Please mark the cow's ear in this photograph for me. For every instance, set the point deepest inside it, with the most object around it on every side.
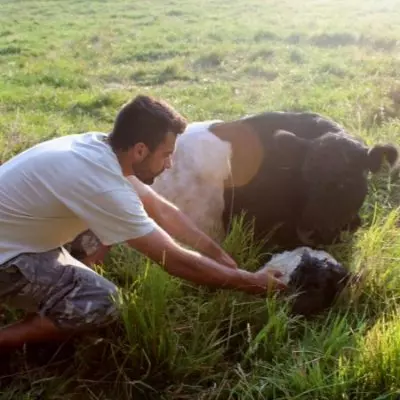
(379, 153)
(289, 142)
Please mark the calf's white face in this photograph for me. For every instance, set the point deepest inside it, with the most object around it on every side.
(314, 279)
(288, 261)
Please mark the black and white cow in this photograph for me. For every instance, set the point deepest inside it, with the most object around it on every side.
(301, 176)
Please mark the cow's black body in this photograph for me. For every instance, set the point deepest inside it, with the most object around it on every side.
(313, 178)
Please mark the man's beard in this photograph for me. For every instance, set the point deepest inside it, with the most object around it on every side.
(146, 180)
(144, 174)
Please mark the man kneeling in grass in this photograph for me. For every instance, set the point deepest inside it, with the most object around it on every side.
(58, 189)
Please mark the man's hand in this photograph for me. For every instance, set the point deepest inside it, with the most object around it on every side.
(271, 277)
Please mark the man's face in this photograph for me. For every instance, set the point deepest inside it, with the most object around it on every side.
(148, 165)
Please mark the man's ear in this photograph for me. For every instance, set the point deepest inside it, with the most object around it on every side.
(139, 152)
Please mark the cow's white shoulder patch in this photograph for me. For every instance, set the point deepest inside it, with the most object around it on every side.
(195, 183)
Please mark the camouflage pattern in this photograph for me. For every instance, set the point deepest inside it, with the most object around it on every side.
(58, 286)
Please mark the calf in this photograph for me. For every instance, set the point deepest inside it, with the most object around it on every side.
(301, 177)
(314, 279)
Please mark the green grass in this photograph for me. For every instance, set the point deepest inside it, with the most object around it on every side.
(67, 66)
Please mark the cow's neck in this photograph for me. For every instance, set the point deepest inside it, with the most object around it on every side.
(247, 150)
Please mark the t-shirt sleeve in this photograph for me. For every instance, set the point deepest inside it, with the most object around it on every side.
(115, 216)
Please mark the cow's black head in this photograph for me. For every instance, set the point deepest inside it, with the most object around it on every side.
(333, 171)
(315, 285)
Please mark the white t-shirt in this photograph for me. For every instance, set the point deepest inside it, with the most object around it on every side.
(57, 189)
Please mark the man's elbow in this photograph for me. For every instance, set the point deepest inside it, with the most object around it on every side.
(168, 217)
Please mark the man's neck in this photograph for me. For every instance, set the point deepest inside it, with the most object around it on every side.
(126, 168)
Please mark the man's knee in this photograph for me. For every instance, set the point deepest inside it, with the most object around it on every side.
(90, 305)
(59, 287)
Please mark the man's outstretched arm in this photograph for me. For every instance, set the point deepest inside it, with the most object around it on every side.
(199, 269)
(179, 225)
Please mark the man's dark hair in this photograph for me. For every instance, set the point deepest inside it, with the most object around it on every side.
(146, 120)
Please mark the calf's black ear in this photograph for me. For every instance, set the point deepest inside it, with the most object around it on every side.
(379, 153)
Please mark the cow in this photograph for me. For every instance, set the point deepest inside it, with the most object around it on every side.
(299, 177)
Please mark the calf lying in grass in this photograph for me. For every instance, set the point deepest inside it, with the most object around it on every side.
(314, 278)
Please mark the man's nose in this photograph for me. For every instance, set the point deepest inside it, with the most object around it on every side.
(168, 163)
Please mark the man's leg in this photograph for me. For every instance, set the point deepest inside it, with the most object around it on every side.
(32, 329)
(69, 298)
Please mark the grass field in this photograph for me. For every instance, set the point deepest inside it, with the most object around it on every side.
(66, 66)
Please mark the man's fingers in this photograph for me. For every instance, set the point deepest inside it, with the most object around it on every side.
(273, 281)
(276, 273)
(280, 285)
(232, 264)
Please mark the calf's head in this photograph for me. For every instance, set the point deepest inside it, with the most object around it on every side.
(315, 285)
(333, 171)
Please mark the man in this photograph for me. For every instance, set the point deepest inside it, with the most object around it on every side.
(53, 191)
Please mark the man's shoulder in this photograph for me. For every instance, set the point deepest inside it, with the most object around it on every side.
(85, 138)
(75, 158)
(87, 146)
(83, 150)
(62, 146)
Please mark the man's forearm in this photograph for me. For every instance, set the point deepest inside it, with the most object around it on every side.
(205, 271)
(194, 267)
(181, 227)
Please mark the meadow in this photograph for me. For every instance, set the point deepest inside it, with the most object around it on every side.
(67, 66)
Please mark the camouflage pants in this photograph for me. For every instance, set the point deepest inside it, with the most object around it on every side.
(59, 287)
